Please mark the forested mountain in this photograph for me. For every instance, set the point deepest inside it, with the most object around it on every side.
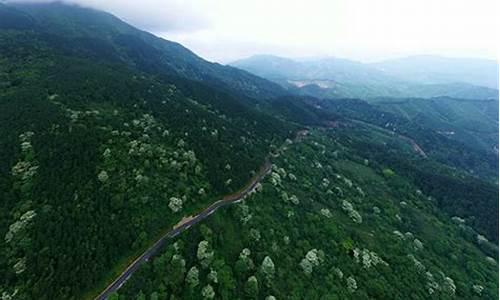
(459, 133)
(100, 152)
(109, 136)
(96, 34)
(335, 220)
(474, 122)
(341, 78)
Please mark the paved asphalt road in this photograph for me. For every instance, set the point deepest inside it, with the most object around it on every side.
(118, 282)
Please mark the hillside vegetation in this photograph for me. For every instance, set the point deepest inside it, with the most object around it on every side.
(327, 224)
(110, 135)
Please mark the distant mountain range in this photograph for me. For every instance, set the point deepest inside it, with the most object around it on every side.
(416, 76)
(427, 69)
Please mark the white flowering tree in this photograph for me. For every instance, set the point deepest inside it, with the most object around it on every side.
(204, 254)
(192, 277)
(252, 287)
(326, 213)
(212, 276)
(18, 239)
(255, 234)
(478, 289)
(338, 272)
(275, 179)
(244, 264)
(449, 286)
(294, 200)
(306, 266)
(351, 212)
(175, 204)
(244, 212)
(431, 284)
(352, 285)
(312, 259)
(418, 264)
(26, 168)
(267, 267)
(417, 244)
(107, 153)
(103, 176)
(208, 292)
(367, 258)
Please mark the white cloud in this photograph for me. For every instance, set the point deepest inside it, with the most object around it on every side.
(224, 30)
(352, 28)
(157, 15)
(150, 15)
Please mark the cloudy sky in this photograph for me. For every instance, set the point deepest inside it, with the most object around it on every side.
(225, 30)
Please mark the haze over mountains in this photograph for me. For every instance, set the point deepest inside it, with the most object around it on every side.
(416, 76)
(428, 69)
(110, 137)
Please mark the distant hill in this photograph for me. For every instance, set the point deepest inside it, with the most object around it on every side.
(428, 69)
(325, 72)
(341, 78)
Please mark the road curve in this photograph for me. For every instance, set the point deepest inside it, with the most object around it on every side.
(227, 200)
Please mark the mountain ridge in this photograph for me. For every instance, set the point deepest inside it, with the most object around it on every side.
(144, 47)
(340, 78)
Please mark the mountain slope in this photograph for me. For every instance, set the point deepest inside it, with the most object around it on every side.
(418, 119)
(104, 170)
(329, 223)
(456, 171)
(101, 153)
(101, 35)
(474, 122)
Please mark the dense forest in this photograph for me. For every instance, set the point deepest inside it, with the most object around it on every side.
(99, 157)
(108, 162)
(422, 122)
(327, 224)
(109, 136)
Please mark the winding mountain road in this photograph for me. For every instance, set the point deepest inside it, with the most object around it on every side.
(187, 222)
(183, 225)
